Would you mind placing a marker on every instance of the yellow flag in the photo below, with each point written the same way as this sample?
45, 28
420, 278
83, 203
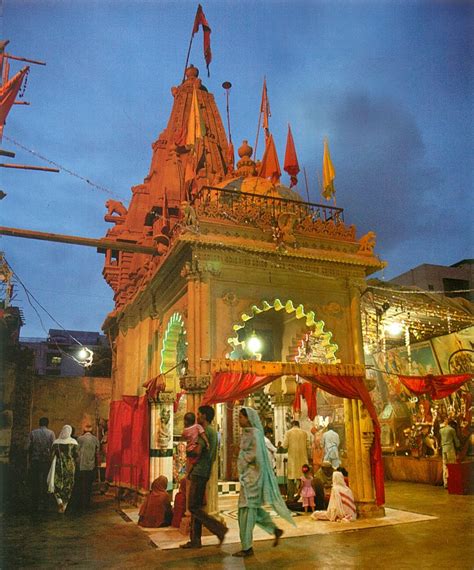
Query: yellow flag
196, 127
329, 173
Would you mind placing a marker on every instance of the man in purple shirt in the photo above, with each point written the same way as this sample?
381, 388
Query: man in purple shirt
39, 448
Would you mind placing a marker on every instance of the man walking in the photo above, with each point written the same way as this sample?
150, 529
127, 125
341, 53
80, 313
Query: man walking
296, 442
199, 477
87, 463
449, 444
39, 449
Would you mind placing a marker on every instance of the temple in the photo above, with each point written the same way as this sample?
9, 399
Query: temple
237, 256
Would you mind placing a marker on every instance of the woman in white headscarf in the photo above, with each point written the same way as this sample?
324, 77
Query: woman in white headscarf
258, 484
341, 505
63, 467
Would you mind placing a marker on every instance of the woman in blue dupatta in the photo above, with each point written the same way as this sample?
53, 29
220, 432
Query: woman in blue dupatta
258, 484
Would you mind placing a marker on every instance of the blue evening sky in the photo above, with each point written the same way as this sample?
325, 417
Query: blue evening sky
389, 82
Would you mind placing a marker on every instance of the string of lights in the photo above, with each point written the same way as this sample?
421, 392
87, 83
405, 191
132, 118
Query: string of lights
63, 168
418, 291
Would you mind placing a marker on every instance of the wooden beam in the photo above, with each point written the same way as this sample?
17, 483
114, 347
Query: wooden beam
102, 243
24, 59
28, 167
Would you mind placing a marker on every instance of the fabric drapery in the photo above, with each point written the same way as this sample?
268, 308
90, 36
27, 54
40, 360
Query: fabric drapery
8, 93
200, 20
128, 444
308, 392
329, 173
154, 386
437, 387
291, 165
270, 166
232, 386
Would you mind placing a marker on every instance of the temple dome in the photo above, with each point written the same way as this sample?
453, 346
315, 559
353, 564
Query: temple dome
260, 186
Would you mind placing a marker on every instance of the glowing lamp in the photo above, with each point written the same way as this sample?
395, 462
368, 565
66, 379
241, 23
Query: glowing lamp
254, 344
82, 354
394, 329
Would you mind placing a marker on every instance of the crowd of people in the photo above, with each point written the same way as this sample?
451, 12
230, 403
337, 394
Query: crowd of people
63, 467
326, 493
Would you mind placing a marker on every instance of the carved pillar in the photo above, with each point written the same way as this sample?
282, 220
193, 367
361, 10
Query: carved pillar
161, 437
359, 428
281, 406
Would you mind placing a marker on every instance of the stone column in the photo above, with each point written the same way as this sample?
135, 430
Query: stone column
161, 437
359, 428
281, 405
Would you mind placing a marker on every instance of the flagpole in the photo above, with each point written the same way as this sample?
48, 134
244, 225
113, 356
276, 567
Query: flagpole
306, 182
187, 57
190, 44
258, 131
259, 118
319, 183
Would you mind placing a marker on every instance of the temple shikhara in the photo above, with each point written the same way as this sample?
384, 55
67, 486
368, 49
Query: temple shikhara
224, 254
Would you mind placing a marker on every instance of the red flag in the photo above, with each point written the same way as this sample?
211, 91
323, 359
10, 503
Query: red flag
200, 20
270, 167
8, 93
291, 160
265, 108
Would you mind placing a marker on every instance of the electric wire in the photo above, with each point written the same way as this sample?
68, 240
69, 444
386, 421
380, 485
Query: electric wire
63, 168
29, 296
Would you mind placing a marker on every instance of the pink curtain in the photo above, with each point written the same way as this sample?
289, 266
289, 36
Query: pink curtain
437, 387
232, 386
128, 446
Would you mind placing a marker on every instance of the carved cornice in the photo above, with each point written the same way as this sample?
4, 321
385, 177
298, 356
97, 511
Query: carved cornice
194, 384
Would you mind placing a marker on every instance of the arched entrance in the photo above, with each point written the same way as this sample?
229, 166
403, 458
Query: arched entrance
164, 422
274, 330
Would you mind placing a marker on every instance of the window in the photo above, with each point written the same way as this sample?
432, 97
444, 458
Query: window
450, 285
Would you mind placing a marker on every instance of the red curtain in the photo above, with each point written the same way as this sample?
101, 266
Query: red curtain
437, 387
128, 446
308, 392
232, 386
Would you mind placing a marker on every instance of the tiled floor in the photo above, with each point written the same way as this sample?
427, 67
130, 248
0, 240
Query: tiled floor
102, 539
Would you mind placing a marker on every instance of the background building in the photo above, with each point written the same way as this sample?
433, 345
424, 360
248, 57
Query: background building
456, 277
60, 353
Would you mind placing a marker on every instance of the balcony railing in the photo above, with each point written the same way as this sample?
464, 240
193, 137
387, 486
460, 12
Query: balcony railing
233, 202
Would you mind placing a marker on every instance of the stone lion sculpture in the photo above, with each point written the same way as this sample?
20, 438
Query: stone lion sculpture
115, 207
367, 243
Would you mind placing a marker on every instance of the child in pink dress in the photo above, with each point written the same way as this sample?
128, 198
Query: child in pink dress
191, 432
306, 490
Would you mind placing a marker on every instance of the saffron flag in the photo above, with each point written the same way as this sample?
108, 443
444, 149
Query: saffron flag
265, 108
270, 167
8, 93
196, 127
291, 165
329, 173
200, 20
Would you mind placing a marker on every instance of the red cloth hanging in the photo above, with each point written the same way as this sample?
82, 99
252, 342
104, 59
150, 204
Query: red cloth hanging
129, 442
232, 386
308, 392
437, 387
8, 93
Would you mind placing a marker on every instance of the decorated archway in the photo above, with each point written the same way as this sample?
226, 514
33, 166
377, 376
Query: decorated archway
316, 331
165, 416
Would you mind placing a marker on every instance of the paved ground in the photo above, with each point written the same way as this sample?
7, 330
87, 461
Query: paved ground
102, 539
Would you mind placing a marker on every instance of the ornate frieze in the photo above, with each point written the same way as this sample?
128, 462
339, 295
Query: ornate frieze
194, 384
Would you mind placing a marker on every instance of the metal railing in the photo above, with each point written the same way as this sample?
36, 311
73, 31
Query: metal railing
234, 204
